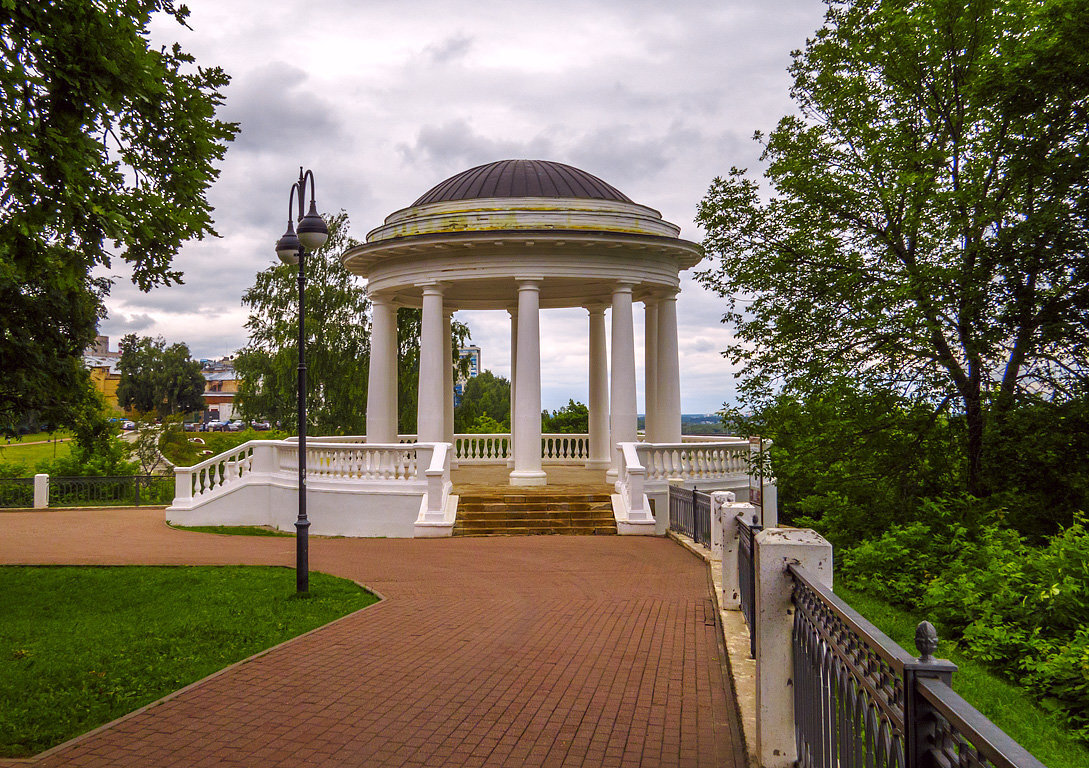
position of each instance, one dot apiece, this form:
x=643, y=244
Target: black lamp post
x=292, y=248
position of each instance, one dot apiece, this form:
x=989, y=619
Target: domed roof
x=522, y=178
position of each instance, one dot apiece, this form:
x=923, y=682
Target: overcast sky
x=383, y=100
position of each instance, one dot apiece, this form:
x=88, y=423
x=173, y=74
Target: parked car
x=215, y=426
x=261, y=426
x=127, y=425
x=192, y=426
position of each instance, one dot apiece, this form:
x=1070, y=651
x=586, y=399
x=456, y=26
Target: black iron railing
x=121, y=490
x=862, y=701
x=690, y=514
x=16, y=492
x=746, y=575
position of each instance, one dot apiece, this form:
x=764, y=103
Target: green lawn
x=30, y=455
x=234, y=530
x=1007, y=706
x=82, y=646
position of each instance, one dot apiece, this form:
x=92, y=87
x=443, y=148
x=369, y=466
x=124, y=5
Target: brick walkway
x=535, y=651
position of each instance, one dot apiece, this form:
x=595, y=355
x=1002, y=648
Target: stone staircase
x=531, y=511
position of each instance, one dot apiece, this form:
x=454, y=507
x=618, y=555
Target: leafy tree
x=925, y=228
x=573, y=418
x=484, y=395
x=408, y=365
x=337, y=342
x=106, y=151
x=157, y=378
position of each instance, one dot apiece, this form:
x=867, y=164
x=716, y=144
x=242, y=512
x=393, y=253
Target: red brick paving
x=528, y=651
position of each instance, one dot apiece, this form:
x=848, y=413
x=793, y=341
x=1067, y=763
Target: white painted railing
x=695, y=461
x=482, y=449
x=630, y=482
x=559, y=448
x=327, y=459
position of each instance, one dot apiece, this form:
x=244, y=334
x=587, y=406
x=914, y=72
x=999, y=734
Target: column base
x=611, y=475
x=528, y=477
x=597, y=464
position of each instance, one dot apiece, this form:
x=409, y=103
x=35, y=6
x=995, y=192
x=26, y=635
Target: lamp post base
x=302, y=556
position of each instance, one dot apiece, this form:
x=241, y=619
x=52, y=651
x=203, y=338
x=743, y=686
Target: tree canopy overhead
x=925, y=222
x=107, y=150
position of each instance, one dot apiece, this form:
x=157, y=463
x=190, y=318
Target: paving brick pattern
x=521, y=651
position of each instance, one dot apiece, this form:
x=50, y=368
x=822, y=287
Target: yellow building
x=105, y=377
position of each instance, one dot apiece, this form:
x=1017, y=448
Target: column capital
x=529, y=282
x=432, y=287
x=597, y=308
x=624, y=286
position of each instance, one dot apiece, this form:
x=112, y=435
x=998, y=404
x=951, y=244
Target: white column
x=650, y=369
x=430, y=419
x=622, y=419
x=513, y=367
x=381, y=396
x=448, y=376
x=527, y=407
x=668, y=423
x=599, y=390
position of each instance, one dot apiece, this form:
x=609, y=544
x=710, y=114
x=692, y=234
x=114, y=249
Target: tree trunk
x=973, y=412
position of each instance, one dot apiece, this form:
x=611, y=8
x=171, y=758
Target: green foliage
x=83, y=646
x=181, y=450
x=573, y=418
x=486, y=425
x=108, y=458
x=926, y=226
x=1019, y=608
x=484, y=395
x=337, y=342
x=106, y=151
x=158, y=379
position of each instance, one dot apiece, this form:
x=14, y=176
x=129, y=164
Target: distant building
x=220, y=388
x=472, y=354
x=101, y=363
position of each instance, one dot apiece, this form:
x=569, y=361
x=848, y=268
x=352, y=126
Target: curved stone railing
x=327, y=459
x=482, y=449
x=559, y=448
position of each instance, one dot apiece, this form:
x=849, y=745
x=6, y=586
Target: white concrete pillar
x=668, y=422
x=513, y=367
x=650, y=369
x=774, y=619
x=430, y=417
x=527, y=408
x=622, y=418
x=381, y=387
x=448, y=376
x=41, y=491
x=600, y=455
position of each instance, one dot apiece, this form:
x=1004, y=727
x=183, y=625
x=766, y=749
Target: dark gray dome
x=522, y=178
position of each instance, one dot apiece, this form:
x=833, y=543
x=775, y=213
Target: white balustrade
x=630, y=482
x=694, y=461
x=558, y=448
x=218, y=472
x=482, y=449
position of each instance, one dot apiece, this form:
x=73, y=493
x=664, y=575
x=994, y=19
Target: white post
x=668, y=423
x=430, y=417
x=719, y=500
x=622, y=419
x=381, y=397
x=448, y=378
x=513, y=378
x=650, y=370
x=775, y=548
x=527, y=409
x=599, y=391
x=41, y=491
x=731, y=542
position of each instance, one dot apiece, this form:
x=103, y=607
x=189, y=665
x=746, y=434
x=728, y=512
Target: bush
x=1022, y=609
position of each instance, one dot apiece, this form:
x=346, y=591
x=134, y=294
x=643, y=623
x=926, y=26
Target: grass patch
x=81, y=646
x=30, y=455
x=234, y=530
x=1010, y=708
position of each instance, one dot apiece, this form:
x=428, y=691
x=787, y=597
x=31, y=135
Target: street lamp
x=292, y=248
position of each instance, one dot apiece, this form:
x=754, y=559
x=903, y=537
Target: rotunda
x=520, y=236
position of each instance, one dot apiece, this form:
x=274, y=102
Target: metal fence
x=16, y=492
x=89, y=491
x=862, y=701
x=690, y=514
x=746, y=575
